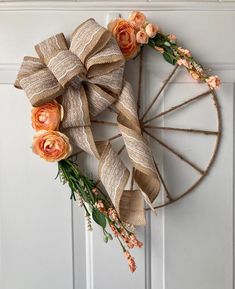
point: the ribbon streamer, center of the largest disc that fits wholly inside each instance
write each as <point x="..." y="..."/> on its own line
<point x="86" y="78"/>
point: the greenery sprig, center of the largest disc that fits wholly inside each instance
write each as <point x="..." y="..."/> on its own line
<point x="99" y="207"/>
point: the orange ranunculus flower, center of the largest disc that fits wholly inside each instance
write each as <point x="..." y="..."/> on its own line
<point x="124" y="33"/>
<point x="51" y="145"/>
<point x="47" y="116"/>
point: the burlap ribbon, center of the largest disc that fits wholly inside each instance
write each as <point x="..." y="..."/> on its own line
<point x="86" y="78"/>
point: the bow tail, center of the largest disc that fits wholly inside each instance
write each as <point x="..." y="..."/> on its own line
<point x="114" y="176"/>
<point x="98" y="99"/>
<point x="138" y="149"/>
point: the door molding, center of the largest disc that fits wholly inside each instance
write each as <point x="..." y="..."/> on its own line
<point x="118" y="6"/>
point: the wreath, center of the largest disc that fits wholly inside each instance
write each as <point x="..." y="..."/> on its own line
<point x="68" y="86"/>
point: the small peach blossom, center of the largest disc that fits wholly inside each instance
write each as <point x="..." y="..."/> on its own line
<point x="130" y="245"/>
<point x="139" y="244"/>
<point x="185" y="63"/>
<point x="142" y="37"/>
<point x="115" y="231"/>
<point x="127" y="254"/>
<point x="151" y="30"/>
<point x="132" y="237"/>
<point x="100" y="206"/>
<point x="132" y="264"/>
<point x="159" y="49"/>
<point x="137" y="19"/>
<point x="172" y="38"/>
<point x="123" y="233"/>
<point x="124" y="33"/>
<point x="113" y="214"/>
<point x="52" y="146"/>
<point x="95" y="191"/>
<point x="213" y="81"/>
<point x="198" y="67"/>
<point x="47" y="116"/>
<point x="185" y="52"/>
<point x="194" y="75"/>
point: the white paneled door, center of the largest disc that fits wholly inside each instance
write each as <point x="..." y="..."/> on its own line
<point x="189" y="244"/>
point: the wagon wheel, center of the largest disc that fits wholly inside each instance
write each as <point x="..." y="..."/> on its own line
<point x="149" y="120"/>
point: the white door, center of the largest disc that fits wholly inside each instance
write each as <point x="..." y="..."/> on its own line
<point x="43" y="241"/>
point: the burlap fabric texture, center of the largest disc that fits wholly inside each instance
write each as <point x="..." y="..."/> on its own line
<point x="86" y="78"/>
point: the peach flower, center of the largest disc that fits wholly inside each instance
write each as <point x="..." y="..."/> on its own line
<point x="100" y="206"/>
<point x="213" y="81"/>
<point x="185" y="52"/>
<point x="194" y="75"/>
<point x="137" y="19"/>
<point x="115" y="231"/>
<point x="130" y="261"/>
<point x="113" y="214"/>
<point x="142" y="37"/>
<point x="132" y="264"/>
<point x="47" y="116"/>
<point x="172" y="38"/>
<point x="124" y="33"/>
<point x="51" y="145"/>
<point x="185" y="63"/>
<point x="127" y="254"/>
<point x="151" y="30"/>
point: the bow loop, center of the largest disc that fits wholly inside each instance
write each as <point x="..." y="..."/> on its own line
<point x="105" y="61"/>
<point x="88" y="39"/>
<point x="63" y="63"/>
<point x="29" y="66"/>
<point x="38" y="81"/>
<point x="49" y="47"/>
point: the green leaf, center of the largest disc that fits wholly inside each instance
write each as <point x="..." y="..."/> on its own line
<point x="169" y="58"/>
<point x="106" y="238"/>
<point x="84" y="195"/>
<point x="151" y="42"/>
<point x="109" y="236"/>
<point x="169" y="50"/>
<point x="166" y="43"/>
<point x="99" y="218"/>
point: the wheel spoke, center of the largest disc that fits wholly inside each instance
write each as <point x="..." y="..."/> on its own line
<point x="163" y="182"/>
<point x="114" y="137"/>
<point x="132" y="178"/>
<point x="139" y="81"/>
<point x="180" y="156"/>
<point x="104" y="122"/>
<point x="121" y="150"/>
<point x="207" y="132"/>
<point x="178" y="106"/>
<point x="160" y="91"/>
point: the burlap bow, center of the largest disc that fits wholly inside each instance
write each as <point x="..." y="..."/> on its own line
<point x="86" y="79"/>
